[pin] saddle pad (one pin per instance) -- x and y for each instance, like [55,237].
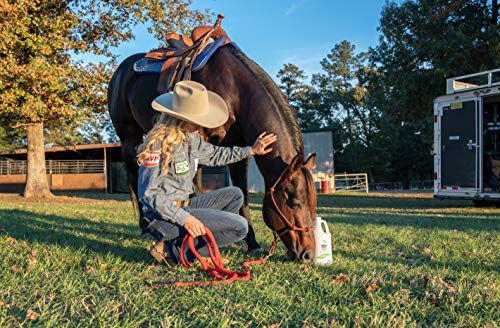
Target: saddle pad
[146,66]
[205,55]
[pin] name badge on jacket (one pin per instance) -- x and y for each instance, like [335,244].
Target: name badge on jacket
[182,167]
[153,159]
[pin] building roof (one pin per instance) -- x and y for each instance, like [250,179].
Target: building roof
[63,148]
[327,129]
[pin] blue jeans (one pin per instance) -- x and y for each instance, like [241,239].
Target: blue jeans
[218,211]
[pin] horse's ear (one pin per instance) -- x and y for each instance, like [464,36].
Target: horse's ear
[295,164]
[310,162]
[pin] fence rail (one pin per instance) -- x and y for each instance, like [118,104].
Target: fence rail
[351,182]
[14,167]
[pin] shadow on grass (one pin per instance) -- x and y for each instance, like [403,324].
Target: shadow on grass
[482,222]
[96,236]
[390,211]
[367,201]
[415,260]
[97,196]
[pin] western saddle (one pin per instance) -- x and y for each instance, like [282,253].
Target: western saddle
[181,53]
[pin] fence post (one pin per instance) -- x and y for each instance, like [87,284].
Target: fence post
[105,172]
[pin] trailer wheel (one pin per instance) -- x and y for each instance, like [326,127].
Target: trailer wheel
[486,203]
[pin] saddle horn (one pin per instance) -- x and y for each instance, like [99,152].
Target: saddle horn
[220,17]
[217,31]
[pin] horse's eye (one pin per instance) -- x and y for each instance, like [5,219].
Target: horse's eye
[294,202]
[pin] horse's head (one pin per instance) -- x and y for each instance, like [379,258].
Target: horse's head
[290,206]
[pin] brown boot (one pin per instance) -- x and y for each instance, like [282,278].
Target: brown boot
[159,252]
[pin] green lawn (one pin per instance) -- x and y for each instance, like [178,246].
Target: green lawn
[399,260]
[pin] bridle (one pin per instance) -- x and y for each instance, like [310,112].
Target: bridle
[223,275]
[288,225]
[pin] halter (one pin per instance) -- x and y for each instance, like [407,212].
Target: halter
[289,226]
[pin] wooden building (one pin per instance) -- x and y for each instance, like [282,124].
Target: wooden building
[92,167]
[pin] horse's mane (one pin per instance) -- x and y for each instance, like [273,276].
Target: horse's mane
[311,190]
[275,94]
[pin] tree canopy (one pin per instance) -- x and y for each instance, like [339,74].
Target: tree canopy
[383,99]
[39,79]
[42,86]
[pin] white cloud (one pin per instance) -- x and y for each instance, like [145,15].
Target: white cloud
[294,6]
[306,58]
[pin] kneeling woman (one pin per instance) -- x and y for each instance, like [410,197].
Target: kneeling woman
[168,160]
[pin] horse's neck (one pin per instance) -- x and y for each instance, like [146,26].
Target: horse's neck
[259,111]
[264,115]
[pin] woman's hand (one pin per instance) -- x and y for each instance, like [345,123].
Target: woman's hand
[259,146]
[194,227]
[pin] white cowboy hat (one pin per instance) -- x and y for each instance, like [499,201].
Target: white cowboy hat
[192,102]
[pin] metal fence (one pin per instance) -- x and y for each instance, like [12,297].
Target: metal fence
[343,181]
[13,167]
[422,185]
[398,185]
[380,186]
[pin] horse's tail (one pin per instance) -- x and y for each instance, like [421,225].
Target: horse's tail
[127,129]
[135,202]
[129,157]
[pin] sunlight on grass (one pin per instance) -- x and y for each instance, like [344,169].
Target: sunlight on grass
[399,260]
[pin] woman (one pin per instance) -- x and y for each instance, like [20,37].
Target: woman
[168,161]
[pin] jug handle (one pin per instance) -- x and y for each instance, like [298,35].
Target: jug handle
[324,227]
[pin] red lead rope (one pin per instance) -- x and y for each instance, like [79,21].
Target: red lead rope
[217,271]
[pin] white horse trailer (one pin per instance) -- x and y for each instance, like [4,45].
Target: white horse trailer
[467,139]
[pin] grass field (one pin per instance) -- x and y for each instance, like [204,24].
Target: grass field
[399,260]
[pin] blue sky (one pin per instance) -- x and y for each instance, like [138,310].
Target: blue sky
[274,32]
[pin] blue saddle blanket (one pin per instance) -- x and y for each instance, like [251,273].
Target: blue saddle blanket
[151,66]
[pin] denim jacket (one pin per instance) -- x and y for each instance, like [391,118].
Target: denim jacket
[157,192]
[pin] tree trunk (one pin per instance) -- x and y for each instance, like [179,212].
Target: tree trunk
[494,11]
[36,181]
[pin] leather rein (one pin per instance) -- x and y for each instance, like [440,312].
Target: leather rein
[289,226]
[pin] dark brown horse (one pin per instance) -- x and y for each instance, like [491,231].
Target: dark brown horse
[256,104]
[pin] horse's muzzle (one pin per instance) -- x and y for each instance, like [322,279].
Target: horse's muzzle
[305,256]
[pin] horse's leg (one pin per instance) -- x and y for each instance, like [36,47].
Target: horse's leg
[239,176]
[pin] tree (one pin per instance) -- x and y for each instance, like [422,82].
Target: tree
[299,94]
[40,84]
[423,42]
[411,155]
[345,88]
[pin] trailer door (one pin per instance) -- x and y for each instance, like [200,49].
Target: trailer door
[459,145]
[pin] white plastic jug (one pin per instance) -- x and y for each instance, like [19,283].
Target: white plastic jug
[323,238]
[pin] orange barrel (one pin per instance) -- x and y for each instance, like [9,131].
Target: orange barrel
[325,186]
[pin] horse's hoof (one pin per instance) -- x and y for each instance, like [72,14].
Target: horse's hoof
[256,251]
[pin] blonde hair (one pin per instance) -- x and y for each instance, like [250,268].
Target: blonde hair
[168,131]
